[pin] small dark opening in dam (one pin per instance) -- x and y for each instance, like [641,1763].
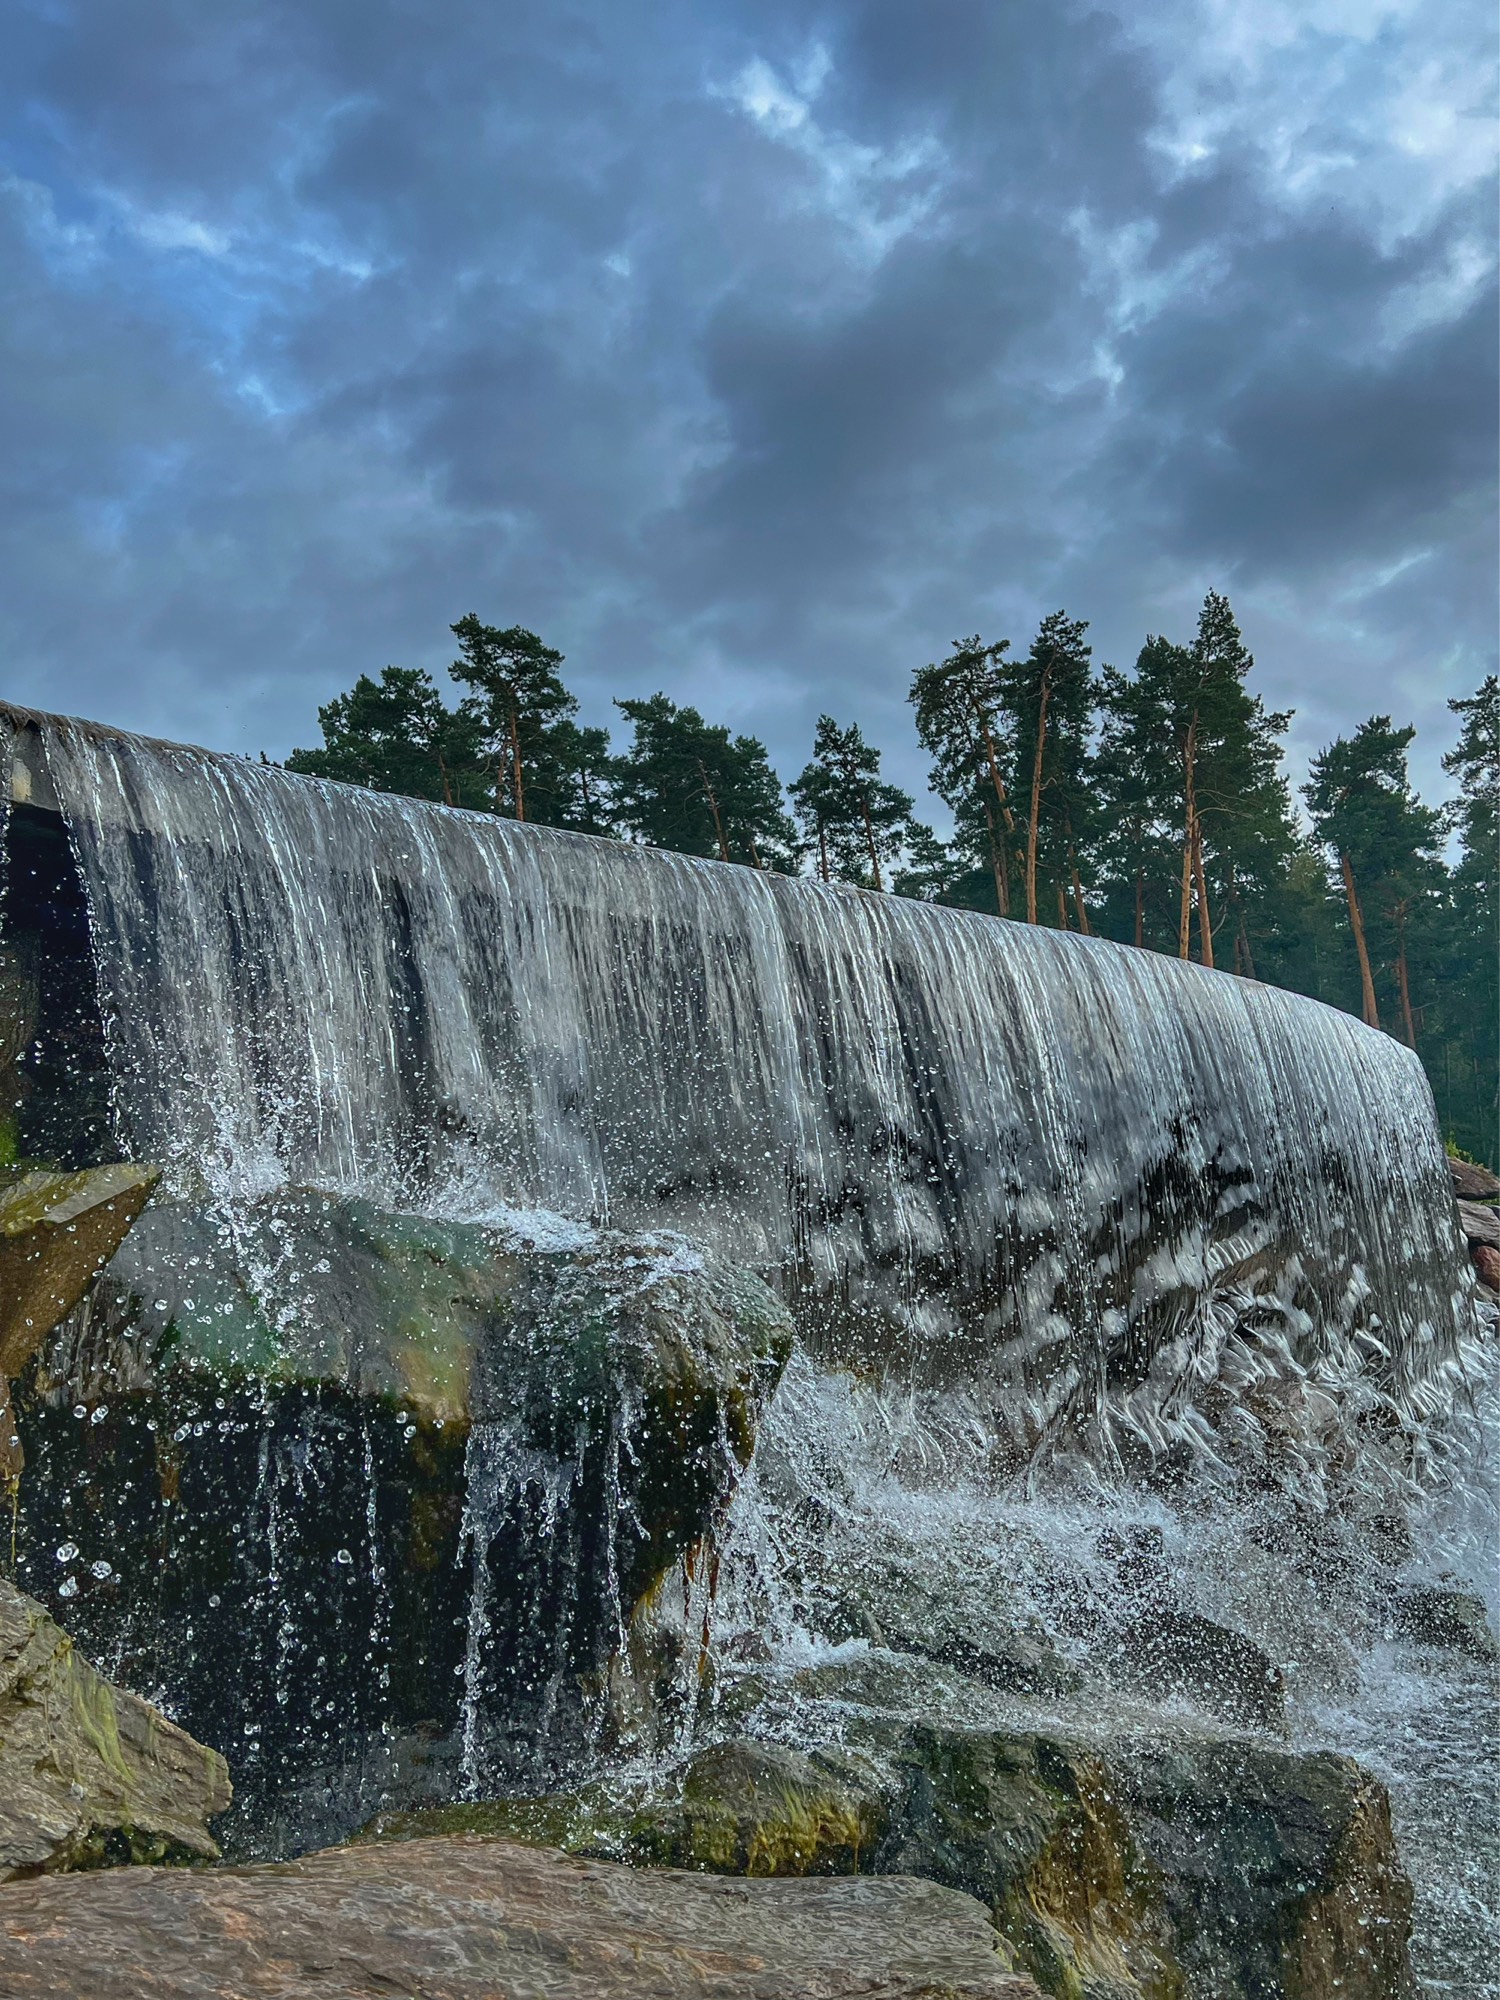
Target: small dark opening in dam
[58,1076]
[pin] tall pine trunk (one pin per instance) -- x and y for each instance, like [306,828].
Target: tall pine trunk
[515,758]
[1357,925]
[1189,839]
[1140,909]
[997,861]
[1008,818]
[713,806]
[1205,917]
[864,806]
[1403,981]
[1083,915]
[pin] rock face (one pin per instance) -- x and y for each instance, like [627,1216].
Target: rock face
[1472,1182]
[470,1919]
[366,1479]
[1185,1870]
[90,1775]
[57,1232]
[1443,1617]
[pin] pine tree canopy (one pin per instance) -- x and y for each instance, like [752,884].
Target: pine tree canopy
[855,822]
[689,785]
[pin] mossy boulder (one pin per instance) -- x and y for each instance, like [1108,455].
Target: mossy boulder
[345,1479]
[1192,1869]
[90,1775]
[735,1808]
[1278,1871]
[1037,1830]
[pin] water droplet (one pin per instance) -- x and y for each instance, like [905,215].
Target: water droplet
[80,1410]
[68,1552]
[100,1569]
[343,1557]
[100,1414]
[68,1587]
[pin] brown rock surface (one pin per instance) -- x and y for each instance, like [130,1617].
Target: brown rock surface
[474,1919]
[89,1774]
[57,1232]
[1479,1225]
[1473,1183]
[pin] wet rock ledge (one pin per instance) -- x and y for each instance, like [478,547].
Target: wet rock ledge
[476,1919]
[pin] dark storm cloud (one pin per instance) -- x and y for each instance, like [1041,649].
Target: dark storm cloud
[749,352]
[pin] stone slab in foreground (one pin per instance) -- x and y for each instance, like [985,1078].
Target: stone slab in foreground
[463,1918]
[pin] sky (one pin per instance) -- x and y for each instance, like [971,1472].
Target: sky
[753,352]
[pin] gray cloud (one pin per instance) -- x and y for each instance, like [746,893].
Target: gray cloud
[749,352]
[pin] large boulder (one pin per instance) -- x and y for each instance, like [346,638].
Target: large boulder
[372,1492]
[89,1774]
[469,1919]
[1278,1873]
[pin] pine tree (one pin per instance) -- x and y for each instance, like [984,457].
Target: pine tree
[929,870]
[854,820]
[1048,699]
[1240,835]
[516,699]
[396,735]
[1137,780]
[1466,1077]
[689,785]
[1385,845]
[959,704]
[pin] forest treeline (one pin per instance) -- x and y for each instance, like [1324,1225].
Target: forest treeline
[1152,807]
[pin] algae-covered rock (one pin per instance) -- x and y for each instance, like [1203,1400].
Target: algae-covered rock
[90,1775]
[635,1371]
[358,1477]
[1279,1872]
[1035,1828]
[735,1808]
[760,1809]
[1190,1869]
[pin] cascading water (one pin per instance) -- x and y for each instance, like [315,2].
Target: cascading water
[1072,1234]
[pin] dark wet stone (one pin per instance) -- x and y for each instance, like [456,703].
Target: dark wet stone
[1445,1617]
[1167,1651]
[1278,1872]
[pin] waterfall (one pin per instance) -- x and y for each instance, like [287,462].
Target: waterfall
[1074,1174]
[1080,1242]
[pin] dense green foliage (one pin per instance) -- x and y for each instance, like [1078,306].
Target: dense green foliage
[1150,806]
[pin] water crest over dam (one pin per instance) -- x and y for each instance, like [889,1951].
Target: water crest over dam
[1066,1169]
